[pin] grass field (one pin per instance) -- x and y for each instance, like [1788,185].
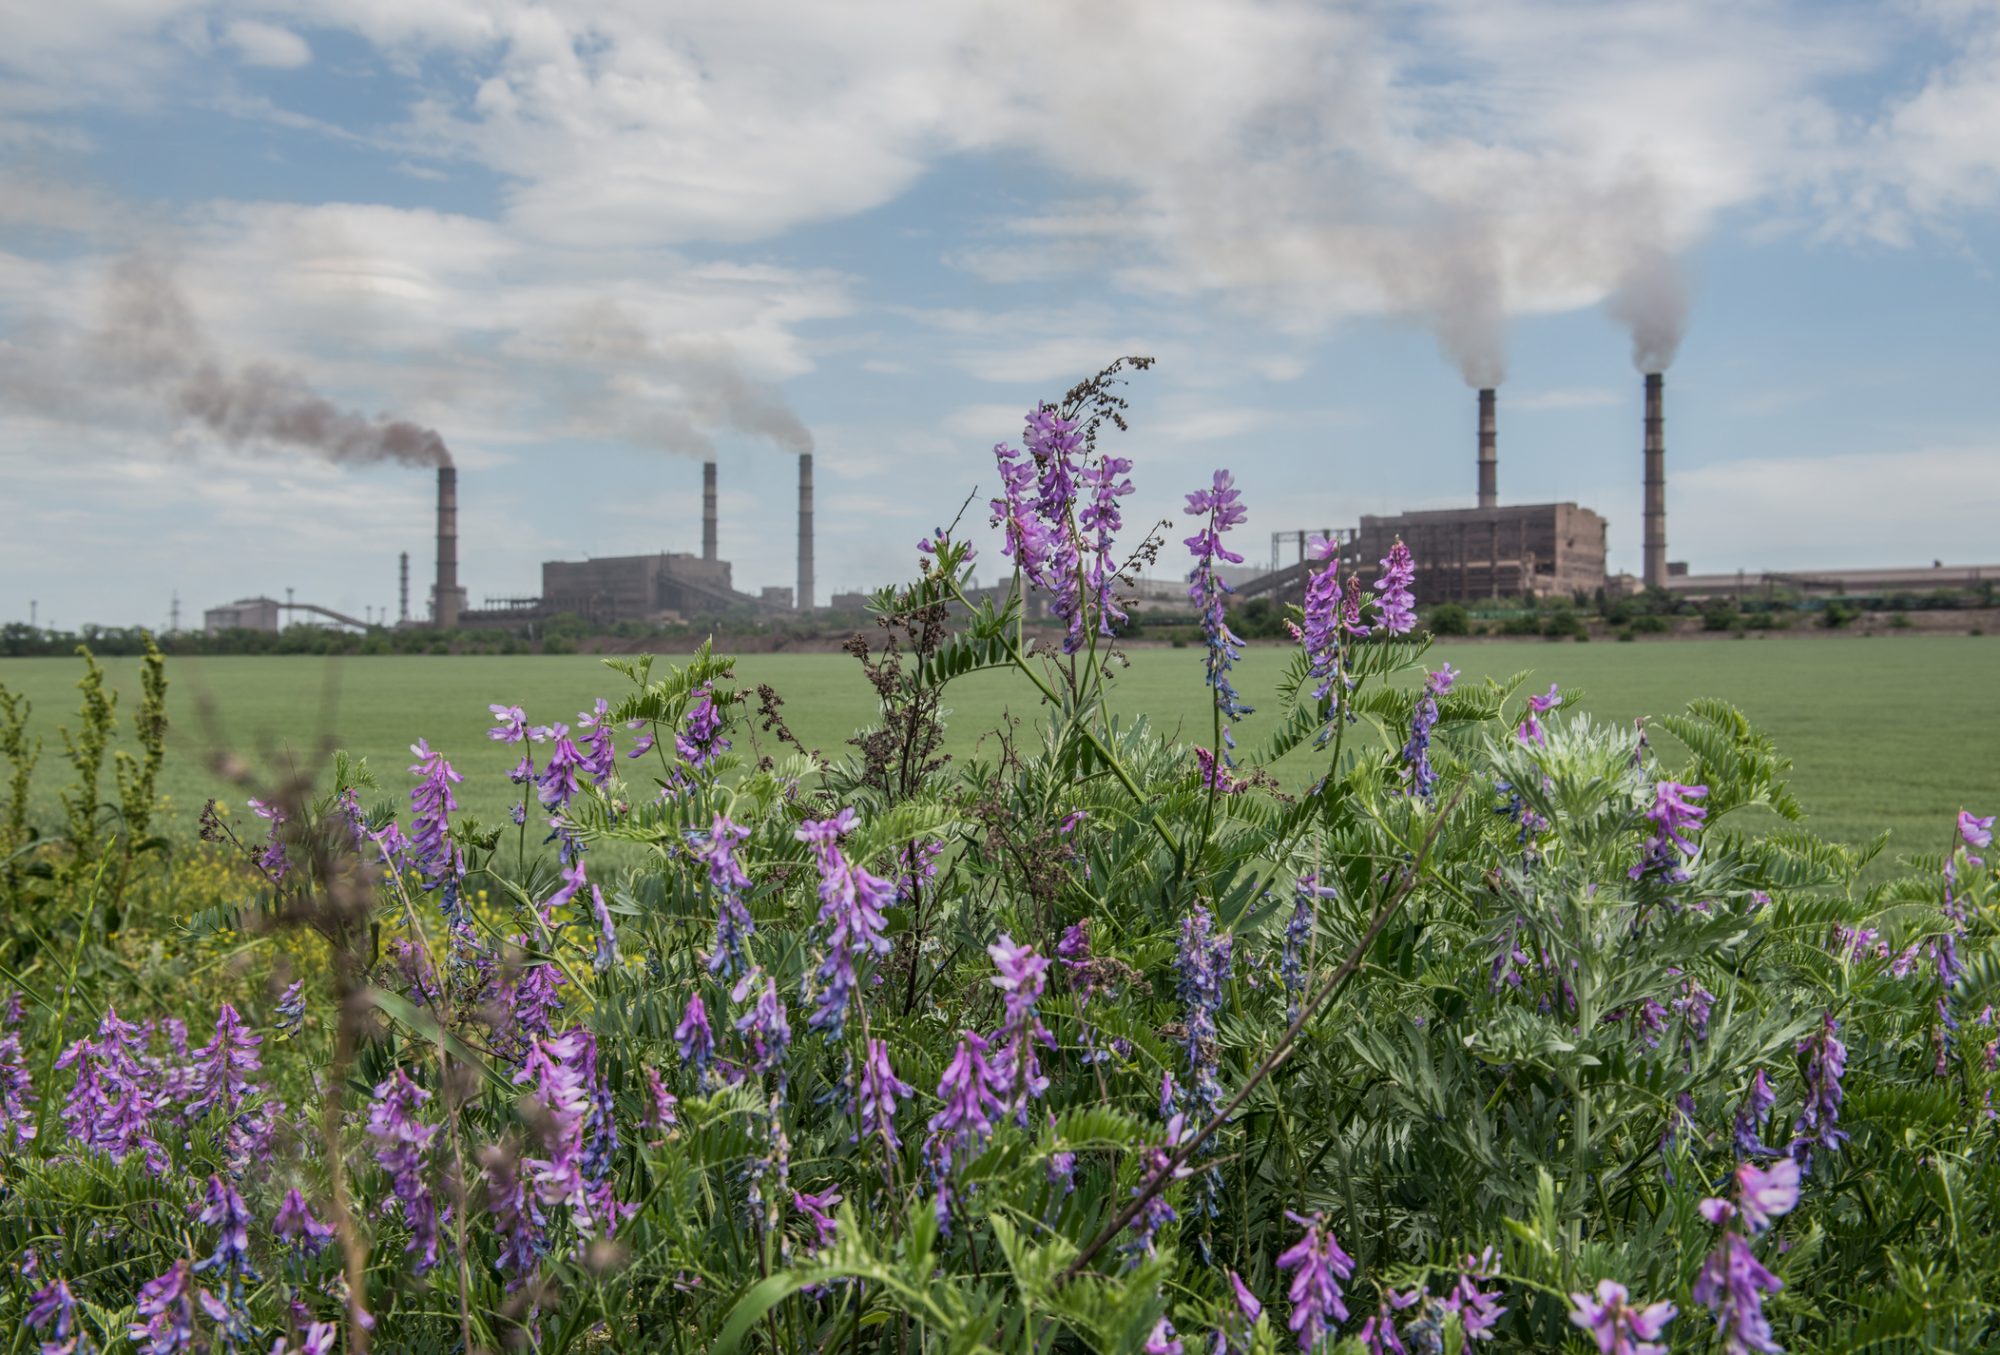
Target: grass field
[1889,733]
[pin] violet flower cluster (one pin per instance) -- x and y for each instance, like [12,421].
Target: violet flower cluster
[1617,1325]
[1060,546]
[851,904]
[1220,508]
[1732,1282]
[1819,1117]
[1417,769]
[733,927]
[1673,815]
[1319,1266]
[434,854]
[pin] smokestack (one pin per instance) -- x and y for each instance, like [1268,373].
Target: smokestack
[1656,482]
[708,510]
[403,592]
[805,595]
[447,600]
[1489,455]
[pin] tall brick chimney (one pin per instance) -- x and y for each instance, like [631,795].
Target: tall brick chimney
[447,598]
[805,594]
[708,510]
[1489,454]
[1656,482]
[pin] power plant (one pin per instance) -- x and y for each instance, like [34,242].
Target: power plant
[664,586]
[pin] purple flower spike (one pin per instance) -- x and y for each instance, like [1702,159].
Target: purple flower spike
[167,1305]
[1732,1284]
[1673,816]
[1616,1326]
[880,1088]
[1221,508]
[1163,1340]
[224,1209]
[52,1311]
[1977,834]
[402,1147]
[1750,1116]
[700,742]
[1819,1117]
[693,1035]
[296,1225]
[1397,603]
[733,925]
[1321,1264]
[17,1092]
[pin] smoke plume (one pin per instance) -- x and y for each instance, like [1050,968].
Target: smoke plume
[1651,300]
[146,342]
[672,393]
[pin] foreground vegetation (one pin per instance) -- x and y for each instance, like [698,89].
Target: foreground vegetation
[1506,1026]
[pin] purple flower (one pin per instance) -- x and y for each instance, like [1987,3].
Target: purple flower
[1764,1195]
[1478,1310]
[971,1091]
[273,861]
[1158,1161]
[1819,1117]
[1025,538]
[600,759]
[402,1148]
[818,1210]
[1616,1326]
[700,741]
[1732,1284]
[167,1305]
[879,1089]
[291,1010]
[1100,517]
[1163,1340]
[17,1092]
[661,1110]
[1673,816]
[1423,719]
[769,1033]
[296,1225]
[851,904]
[693,1035]
[733,927]
[435,855]
[576,1136]
[218,1075]
[510,724]
[557,783]
[1320,1266]
[1321,636]
[1977,834]
[1397,603]
[1219,505]
[1750,1116]
[1246,1302]
[53,1308]
[224,1208]
[1378,1333]
[1021,978]
[516,1211]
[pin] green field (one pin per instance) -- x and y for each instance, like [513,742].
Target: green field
[1886,733]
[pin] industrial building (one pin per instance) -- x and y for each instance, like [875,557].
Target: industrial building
[242,614]
[666,586]
[1465,554]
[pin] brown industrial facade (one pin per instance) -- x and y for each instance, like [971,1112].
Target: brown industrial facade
[1466,554]
[638,587]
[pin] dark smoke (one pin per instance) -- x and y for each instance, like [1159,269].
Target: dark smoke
[1651,300]
[146,341]
[675,394]
[259,404]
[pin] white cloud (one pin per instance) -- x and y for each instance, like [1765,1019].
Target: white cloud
[262,44]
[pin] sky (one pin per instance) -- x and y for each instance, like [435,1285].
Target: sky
[592,244]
